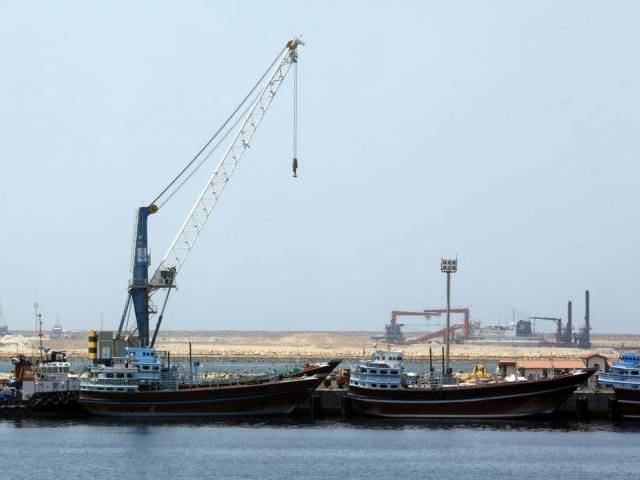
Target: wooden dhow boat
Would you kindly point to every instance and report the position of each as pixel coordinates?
(145, 384)
(381, 387)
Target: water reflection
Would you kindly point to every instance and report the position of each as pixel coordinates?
(145, 425)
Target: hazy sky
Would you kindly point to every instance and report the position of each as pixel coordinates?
(505, 133)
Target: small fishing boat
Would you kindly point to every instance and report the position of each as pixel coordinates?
(381, 387)
(46, 385)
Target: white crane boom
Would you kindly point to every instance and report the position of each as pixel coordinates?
(178, 251)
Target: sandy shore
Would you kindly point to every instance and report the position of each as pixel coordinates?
(241, 345)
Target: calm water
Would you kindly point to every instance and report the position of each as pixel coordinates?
(356, 450)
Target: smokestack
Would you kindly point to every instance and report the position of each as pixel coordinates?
(569, 324)
(586, 311)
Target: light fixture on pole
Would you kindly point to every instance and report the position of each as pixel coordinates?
(448, 266)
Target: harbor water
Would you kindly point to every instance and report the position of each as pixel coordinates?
(85, 449)
(267, 366)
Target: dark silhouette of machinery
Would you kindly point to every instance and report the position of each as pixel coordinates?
(394, 333)
(565, 336)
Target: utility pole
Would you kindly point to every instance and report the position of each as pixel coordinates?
(36, 306)
(448, 266)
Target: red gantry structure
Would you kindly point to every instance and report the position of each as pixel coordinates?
(394, 334)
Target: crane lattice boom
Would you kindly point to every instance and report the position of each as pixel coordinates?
(192, 225)
(140, 287)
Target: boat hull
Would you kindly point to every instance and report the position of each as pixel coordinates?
(494, 401)
(627, 403)
(44, 403)
(261, 399)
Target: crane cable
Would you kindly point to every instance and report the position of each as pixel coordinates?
(206, 145)
(205, 158)
(295, 120)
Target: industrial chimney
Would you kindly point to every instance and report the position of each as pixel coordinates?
(586, 312)
(584, 337)
(569, 338)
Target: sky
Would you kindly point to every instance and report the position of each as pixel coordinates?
(503, 133)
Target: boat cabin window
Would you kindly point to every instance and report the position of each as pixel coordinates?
(109, 375)
(129, 375)
(373, 371)
(120, 375)
(393, 372)
(634, 372)
(145, 367)
(374, 384)
(384, 372)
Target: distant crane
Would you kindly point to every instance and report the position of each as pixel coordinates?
(394, 334)
(557, 321)
(565, 336)
(248, 115)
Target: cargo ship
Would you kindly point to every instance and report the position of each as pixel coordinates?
(381, 387)
(624, 378)
(144, 383)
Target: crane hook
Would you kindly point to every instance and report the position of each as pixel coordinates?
(295, 167)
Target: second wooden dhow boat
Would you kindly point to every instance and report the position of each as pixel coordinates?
(381, 387)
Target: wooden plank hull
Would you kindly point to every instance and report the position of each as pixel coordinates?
(49, 403)
(500, 400)
(260, 399)
(627, 403)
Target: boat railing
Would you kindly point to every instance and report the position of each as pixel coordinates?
(613, 377)
(369, 377)
(110, 381)
(185, 383)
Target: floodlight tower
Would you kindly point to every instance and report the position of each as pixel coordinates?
(448, 266)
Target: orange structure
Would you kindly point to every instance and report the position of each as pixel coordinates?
(464, 325)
